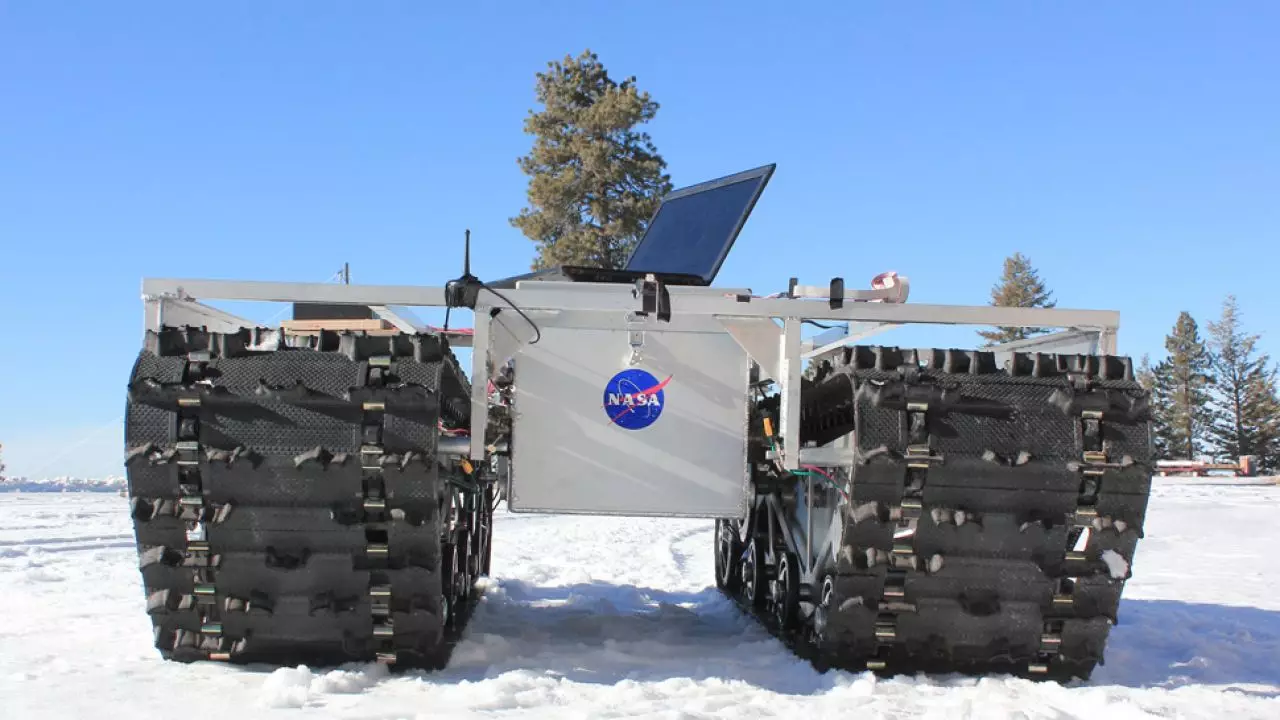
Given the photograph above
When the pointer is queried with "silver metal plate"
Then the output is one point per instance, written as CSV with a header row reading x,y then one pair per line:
x,y
580,448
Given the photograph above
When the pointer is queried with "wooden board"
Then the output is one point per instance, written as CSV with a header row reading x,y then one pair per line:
x,y
302,325
375,333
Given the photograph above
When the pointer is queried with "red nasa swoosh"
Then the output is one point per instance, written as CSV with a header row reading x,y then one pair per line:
x,y
647,391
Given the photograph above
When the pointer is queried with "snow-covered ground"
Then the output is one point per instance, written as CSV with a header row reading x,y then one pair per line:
x,y
604,618
115,483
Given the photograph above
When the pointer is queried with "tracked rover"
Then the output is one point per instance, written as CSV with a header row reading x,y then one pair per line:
x,y
324,491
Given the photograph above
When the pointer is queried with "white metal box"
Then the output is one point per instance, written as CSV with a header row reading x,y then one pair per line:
x,y
621,415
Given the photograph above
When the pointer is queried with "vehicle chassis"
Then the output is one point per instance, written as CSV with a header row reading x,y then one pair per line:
x,y
753,321
766,329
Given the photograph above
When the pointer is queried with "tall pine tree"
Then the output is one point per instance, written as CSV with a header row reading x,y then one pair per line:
x,y
1246,417
1180,396
1020,286
1267,410
1159,432
594,179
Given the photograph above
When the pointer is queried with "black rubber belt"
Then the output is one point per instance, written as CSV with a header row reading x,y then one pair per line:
x,y
376,517
1093,459
197,514
903,557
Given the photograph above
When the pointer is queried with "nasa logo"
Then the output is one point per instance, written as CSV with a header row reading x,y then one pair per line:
x,y
633,399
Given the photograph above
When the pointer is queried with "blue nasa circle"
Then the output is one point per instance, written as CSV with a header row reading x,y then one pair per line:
x,y
634,399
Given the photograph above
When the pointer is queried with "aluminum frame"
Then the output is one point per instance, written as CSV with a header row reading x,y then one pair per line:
x,y
175,301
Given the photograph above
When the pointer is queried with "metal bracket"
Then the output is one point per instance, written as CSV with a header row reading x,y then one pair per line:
x,y
829,456
496,339
790,368
401,317
761,338
171,309
1075,340
886,287
836,338
479,384
655,299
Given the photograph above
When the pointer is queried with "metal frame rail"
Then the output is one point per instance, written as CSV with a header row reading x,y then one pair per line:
x,y
752,321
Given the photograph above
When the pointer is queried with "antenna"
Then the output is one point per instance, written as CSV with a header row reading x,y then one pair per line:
x,y
466,255
462,292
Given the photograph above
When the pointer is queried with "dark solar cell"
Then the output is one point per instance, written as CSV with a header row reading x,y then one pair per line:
x,y
694,228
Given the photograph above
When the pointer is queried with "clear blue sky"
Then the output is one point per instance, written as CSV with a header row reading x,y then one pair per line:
x,y
1130,151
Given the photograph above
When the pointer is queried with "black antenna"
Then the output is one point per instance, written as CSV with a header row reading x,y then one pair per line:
x,y
466,255
462,292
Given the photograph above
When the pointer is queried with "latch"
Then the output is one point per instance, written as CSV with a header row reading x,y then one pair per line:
x,y
655,299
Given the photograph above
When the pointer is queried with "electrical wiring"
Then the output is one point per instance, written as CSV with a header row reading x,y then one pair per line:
x,y
814,470
825,477
808,470
532,324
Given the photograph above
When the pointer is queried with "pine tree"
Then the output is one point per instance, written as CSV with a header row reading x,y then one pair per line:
x,y
1245,420
594,179
1146,378
1020,286
1266,407
1159,432
1180,396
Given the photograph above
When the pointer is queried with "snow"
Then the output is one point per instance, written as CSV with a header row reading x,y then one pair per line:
x,y
63,484
1117,566
299,687
618,618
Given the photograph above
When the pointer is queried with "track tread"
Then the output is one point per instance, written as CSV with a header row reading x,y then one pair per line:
x,y
997,471
287,498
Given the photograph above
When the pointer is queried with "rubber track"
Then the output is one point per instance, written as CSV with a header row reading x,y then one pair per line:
x,y
287,497
999,470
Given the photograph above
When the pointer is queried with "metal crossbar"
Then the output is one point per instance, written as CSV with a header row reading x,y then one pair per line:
x,y
767,328
588,296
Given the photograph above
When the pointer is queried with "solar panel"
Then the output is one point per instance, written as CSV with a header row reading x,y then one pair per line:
x,y
694,227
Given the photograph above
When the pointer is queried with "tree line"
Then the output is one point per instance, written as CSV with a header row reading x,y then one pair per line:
x,y
595,179
1213,395
1216,395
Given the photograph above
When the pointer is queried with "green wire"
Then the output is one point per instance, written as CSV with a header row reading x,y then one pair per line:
x,y
809,473
824,478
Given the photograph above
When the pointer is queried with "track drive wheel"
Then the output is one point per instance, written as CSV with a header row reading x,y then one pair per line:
x,y
466,578
784,590
755,576
484,534
728,552
822,611
449,583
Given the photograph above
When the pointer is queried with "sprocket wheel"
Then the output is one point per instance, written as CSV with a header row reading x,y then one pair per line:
x,y
822,611
728,551
754,575
449,581
784,590
465,575
485,531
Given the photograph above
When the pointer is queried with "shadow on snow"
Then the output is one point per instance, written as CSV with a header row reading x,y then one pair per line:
x,y
1169,643
605,634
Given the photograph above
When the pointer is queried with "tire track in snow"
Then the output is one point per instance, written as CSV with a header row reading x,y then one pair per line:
x,y
14,552
686,548
42,541
11,549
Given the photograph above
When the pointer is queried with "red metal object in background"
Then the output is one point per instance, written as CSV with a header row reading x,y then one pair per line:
x,y
1244,467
